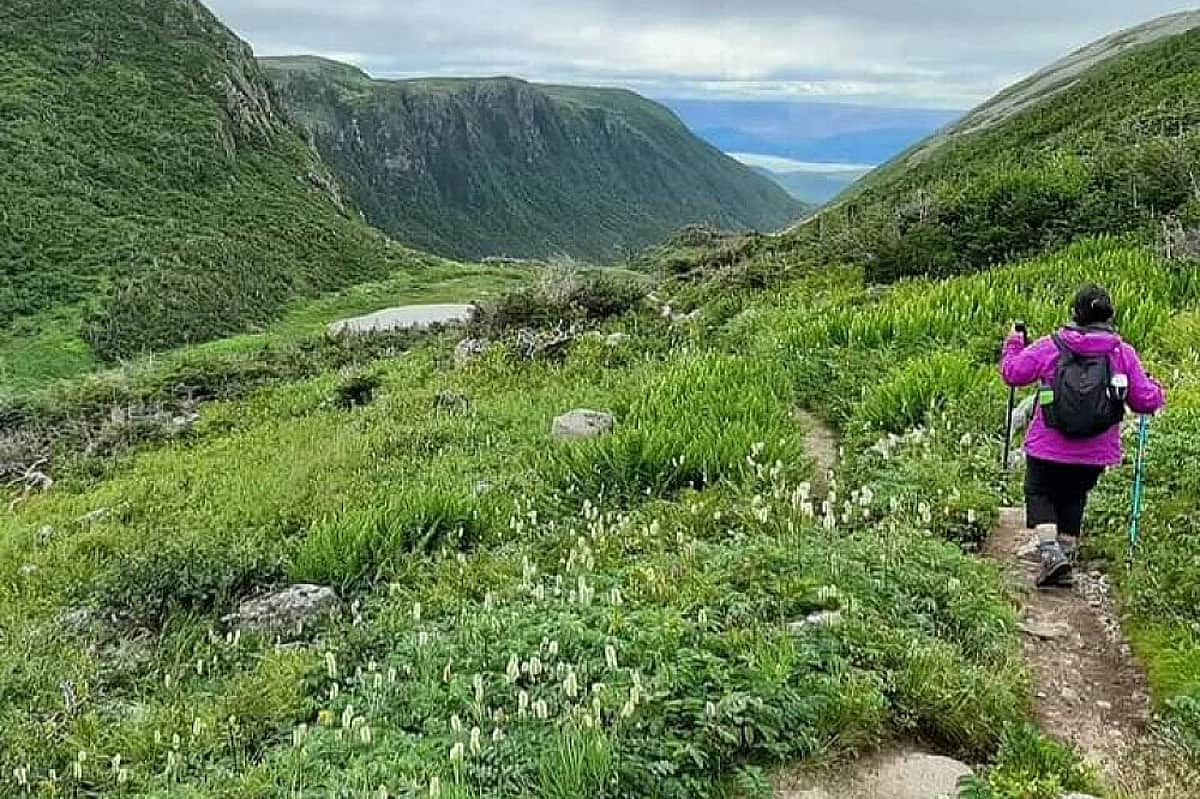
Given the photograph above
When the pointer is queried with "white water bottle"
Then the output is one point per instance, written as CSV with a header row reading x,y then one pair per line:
x,y
1120,387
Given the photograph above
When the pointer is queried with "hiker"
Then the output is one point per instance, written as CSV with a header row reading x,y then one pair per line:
x,y
1086,377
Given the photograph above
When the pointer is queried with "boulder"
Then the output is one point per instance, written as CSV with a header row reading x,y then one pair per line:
x,y
451,402
899,774
468,350
919,776
292,607
582,423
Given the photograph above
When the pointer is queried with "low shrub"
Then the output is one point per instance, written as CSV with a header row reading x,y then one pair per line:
x,y
1030,765
561,298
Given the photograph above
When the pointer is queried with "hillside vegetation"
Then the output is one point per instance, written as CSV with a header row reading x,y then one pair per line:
x,y
672,609
153,194
500,167
1115,150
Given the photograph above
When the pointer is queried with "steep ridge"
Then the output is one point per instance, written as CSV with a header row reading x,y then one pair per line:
x,y
471,168
1103,143
151,184
1061,75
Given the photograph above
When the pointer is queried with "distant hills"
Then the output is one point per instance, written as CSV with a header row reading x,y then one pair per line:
x,y
485,167
815,132
821,135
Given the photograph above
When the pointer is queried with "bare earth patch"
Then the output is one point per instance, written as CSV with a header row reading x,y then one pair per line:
x,y
1089,688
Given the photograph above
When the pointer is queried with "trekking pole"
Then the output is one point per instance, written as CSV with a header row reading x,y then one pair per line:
x,y
1139,471
1023,329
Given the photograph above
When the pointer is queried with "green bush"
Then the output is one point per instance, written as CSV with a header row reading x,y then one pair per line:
x,y
1030,765
560,298
165,574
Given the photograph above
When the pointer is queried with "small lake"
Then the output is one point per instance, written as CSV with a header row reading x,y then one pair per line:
x,y
405,317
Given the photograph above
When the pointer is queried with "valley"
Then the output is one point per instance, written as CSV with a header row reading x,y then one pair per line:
x,y
724,517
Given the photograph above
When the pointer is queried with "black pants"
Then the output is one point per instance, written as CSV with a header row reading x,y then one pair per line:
x,y
1056,493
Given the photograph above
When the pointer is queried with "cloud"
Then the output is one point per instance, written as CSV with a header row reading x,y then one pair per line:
x,y
946,53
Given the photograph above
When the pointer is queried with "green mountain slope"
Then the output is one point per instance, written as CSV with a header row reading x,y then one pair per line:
x,y
1110,147
150,183
472,168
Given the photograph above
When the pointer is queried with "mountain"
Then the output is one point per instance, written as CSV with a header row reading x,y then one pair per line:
x,y
1102,142
815,132
151,185
482,167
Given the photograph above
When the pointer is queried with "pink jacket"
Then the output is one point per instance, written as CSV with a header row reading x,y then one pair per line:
x,y
1036,363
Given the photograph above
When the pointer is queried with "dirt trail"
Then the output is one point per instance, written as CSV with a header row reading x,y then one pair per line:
x,y
821,444
1088,687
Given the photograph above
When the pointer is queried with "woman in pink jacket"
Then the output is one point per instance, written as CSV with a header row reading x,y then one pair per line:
x,y
1063,465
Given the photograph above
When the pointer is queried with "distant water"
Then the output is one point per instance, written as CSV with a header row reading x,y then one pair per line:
x,y
785,165
403,318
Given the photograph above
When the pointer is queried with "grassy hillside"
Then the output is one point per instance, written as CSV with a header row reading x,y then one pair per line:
x,y
1113,150
627,616
151,187
473,168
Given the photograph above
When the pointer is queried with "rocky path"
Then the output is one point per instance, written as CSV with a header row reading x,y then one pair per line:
x,y
1088,687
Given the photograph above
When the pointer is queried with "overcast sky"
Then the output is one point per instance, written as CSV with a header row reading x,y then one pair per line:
x,y
934,53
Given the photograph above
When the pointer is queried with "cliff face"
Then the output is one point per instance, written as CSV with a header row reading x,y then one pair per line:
x,y
153,188
473,168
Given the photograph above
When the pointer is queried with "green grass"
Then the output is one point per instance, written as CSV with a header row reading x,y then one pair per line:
x,y
619,617
145,199
41,350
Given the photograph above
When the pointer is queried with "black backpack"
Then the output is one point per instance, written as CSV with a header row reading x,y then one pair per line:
x,y
1082,402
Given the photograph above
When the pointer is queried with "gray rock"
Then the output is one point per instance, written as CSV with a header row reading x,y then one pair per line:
x,y
29,569
582,423
1046,630
890,775
291,607
451,402
468,350
919,776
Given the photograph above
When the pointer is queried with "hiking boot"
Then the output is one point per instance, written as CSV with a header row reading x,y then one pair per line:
x,y
1056,567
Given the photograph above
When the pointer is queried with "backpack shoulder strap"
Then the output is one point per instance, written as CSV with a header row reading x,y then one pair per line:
x,y
1063,349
